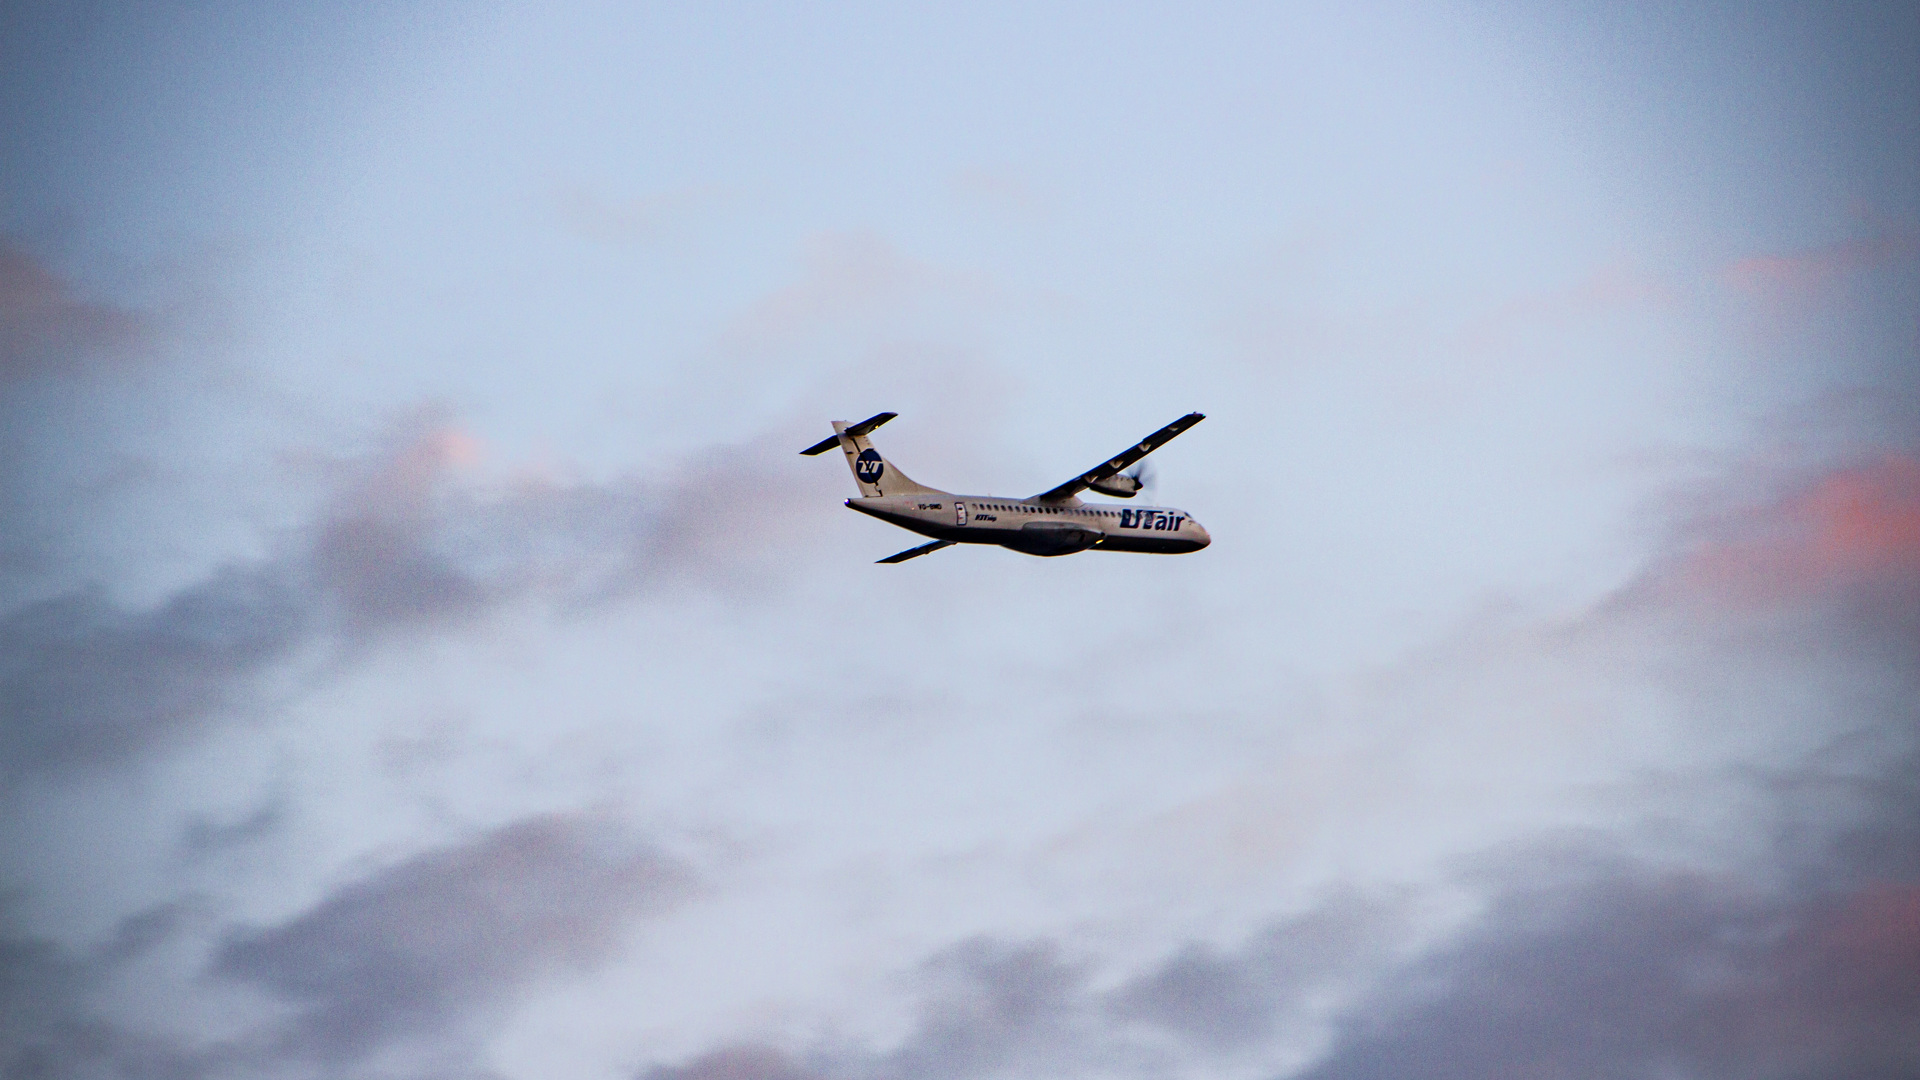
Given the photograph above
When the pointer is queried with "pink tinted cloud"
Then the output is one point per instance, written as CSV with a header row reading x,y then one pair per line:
x,y
45,325
1610,288
1858,525
1809,271
1846,970
1877,930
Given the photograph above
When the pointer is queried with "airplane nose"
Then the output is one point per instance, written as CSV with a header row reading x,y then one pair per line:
x,y
1204,538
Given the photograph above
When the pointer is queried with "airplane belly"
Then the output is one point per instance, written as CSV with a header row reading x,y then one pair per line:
x,y
1052,538
1151,545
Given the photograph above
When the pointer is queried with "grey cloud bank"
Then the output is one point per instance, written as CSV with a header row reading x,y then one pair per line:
x,y
401,547
45,326
422,948
88,684
47,1027
418,946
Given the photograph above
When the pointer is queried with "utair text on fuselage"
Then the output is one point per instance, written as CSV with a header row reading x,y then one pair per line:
x,y
1054,522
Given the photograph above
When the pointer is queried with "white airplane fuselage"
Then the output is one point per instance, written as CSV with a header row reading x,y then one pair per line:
x,y
1054,522
1037,528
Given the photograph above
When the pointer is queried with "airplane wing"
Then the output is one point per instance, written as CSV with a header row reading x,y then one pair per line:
x,y
914,553
1113,465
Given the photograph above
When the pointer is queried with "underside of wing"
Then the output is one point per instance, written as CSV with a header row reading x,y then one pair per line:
x,y
914,553
1112,466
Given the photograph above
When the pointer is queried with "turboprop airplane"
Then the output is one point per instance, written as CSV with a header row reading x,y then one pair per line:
x,y
1054,522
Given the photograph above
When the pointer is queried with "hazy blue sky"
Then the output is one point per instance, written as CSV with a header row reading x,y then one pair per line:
x,y
423,652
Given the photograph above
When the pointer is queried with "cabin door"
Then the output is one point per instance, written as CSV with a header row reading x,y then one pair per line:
x,y
959,512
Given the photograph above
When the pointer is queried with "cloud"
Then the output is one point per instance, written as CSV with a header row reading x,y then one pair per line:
x,y
1632,971
45,326
991,1007
204,835
1782,275
379,552
48,1028
418,948
1223,1001
414,538
1609,290
1853,526
746,1061
86,684
414,953
1801,960
405,544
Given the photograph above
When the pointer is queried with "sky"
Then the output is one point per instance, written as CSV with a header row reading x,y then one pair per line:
x,y
424,653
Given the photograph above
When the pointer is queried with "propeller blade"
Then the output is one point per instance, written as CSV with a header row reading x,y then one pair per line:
x,y
1144,475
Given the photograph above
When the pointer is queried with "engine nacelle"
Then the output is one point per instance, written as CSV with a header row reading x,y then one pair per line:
x,y
1120,486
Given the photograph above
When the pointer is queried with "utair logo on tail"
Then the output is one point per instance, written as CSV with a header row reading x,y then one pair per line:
x,y
1054,522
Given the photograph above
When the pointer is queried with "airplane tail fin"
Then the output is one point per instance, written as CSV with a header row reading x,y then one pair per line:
x,y
874,474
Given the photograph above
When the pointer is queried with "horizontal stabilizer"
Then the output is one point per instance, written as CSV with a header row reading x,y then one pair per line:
x,y
865,427
862,428
914,553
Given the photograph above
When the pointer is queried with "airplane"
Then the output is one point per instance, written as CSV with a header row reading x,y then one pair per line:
x,y
1054,522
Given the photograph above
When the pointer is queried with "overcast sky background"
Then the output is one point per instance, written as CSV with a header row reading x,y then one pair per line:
x,y
423,652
